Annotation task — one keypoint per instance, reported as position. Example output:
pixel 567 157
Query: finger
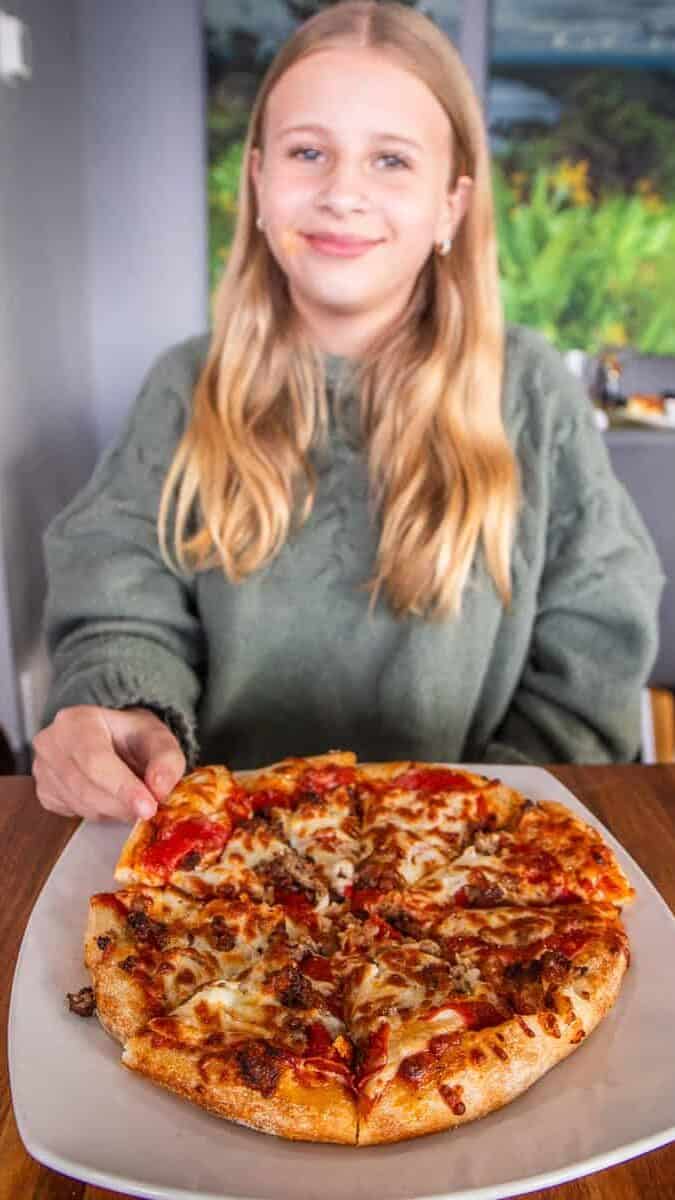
pixel 147 740
pixel 166 767
pixel 111 787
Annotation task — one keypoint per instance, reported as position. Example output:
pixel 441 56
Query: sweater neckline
pixel 343 407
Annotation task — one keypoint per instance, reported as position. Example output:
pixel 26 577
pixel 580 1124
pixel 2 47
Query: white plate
pixel 79 1111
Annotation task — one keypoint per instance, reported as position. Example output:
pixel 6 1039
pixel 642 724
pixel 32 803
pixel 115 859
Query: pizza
pixel 356 953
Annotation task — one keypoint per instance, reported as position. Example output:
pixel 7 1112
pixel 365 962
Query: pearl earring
pixel 445 246
pixel 259 223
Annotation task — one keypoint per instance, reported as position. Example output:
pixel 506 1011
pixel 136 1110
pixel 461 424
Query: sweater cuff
pixel 115 687
pixel 500 752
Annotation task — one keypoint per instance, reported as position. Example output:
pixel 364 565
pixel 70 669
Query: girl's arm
pixel 121 628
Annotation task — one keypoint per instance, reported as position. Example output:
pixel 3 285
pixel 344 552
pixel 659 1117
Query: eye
pixel 298 150
pixel 397 158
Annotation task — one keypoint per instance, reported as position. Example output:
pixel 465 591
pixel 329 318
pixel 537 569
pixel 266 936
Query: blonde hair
pixel 443 476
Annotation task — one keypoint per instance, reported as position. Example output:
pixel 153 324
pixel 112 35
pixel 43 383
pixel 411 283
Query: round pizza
pixel 358 953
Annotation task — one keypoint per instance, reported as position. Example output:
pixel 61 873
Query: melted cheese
pixel 238 1009
pixel 325 831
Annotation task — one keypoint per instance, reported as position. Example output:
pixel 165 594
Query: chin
pixel 344 293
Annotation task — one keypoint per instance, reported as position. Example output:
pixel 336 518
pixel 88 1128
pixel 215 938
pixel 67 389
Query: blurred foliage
pixel 223 190
pixel 588 272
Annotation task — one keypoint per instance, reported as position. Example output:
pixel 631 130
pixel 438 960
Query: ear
pixel 457 204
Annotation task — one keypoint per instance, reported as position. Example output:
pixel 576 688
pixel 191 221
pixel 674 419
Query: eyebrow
pixel 388 137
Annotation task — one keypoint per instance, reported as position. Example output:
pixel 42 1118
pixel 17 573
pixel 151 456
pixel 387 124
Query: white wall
pixel 103 263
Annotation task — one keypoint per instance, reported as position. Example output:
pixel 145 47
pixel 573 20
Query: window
pixel 581 110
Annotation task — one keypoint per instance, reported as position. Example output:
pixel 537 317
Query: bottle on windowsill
pixel 608 384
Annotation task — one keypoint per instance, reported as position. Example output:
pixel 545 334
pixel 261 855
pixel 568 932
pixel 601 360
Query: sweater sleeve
pixel 121 627
pixel 595 633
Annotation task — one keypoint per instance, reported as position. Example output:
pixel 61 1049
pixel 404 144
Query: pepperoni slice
pixel 317 967
pixel 296 905
pixel 569 943
pixel 319 1042
pixel 325 779
pixel 195 835
pixel 321 1052
pixel 476 1014
pixel 374 1055
pixel 363 899
pixel 269 798
pixel 434 779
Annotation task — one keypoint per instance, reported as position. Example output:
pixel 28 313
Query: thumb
pixel 150 747
pixel 166 766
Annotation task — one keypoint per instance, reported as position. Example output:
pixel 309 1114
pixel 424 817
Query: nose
pixel 344 190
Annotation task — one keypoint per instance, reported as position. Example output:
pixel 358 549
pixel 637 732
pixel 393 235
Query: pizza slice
pixel 148 949
pixel 417 818
pixel 315 802
pixel 457 1024
pixel 190 828
pixel 286 834
pixel 269 1050
pixel 548 856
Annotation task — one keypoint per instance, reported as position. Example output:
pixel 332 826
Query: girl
pixel 358 513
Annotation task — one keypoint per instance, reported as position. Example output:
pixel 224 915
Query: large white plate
pixel 79 1111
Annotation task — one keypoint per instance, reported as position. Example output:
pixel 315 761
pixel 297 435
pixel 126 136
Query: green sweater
pixel 291 661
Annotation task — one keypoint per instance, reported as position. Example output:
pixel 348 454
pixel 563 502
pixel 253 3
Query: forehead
pixel 353 92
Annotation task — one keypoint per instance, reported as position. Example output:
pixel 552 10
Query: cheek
pixel 412 232
pixel 287 197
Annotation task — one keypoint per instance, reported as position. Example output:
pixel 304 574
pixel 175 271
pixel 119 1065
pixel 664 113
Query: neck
pixel 344 335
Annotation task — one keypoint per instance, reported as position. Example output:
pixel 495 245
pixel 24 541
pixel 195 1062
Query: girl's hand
pixel 101 762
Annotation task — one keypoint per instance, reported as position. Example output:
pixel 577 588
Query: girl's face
pixel 356 150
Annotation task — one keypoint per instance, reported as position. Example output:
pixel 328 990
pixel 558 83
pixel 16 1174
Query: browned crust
pixel 323 1111
pixel 334 758
pixel 127 870
pixel 384 771
pixel 122 1004
pixel 508 1062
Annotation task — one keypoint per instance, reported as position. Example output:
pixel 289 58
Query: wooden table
pixel 637 803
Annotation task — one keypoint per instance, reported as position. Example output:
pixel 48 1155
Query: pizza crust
pixel 138 840
pixel 324 1111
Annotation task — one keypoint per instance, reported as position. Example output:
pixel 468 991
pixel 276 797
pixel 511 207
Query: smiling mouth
pixel 337 246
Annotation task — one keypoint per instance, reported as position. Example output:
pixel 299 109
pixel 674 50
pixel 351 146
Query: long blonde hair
pixel 443 476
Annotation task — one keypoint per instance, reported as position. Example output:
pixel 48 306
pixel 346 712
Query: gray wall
pixel 144 138
pixel 103 262
pixel 47 444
